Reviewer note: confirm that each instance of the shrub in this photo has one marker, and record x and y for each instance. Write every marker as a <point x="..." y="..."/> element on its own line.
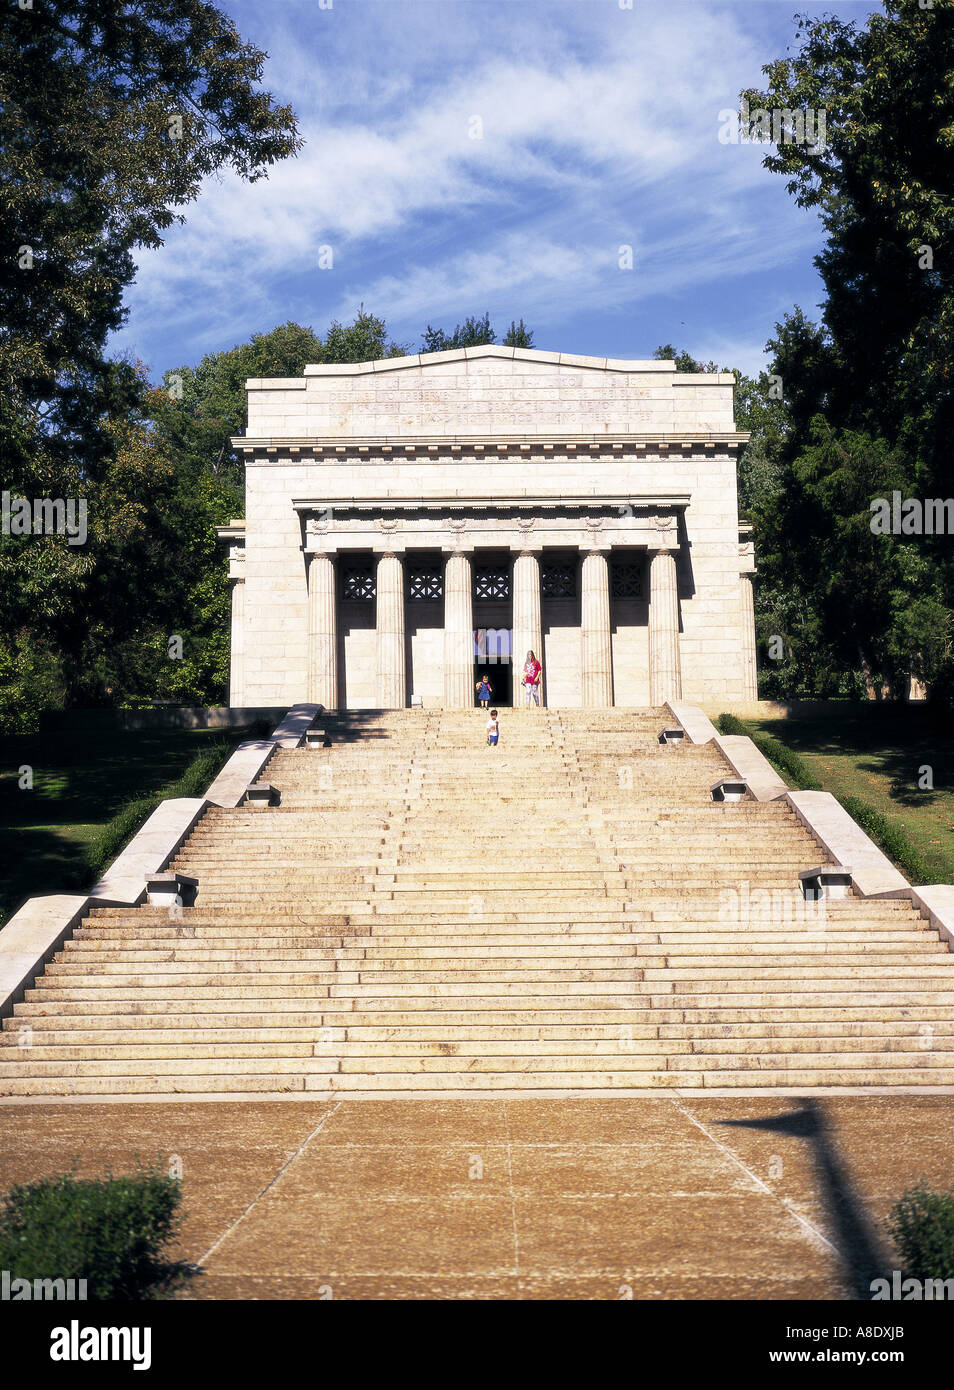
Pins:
<point x="109" y="840"/>
<point x="782" y="758"/>
<point x="922" y="1224"/>
<point x="888" y="837"/>
<point x="110" y="1231"/>
<point x="787" y="761"/>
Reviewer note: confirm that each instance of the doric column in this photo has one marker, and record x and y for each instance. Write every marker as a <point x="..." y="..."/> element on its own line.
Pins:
<point x="527" y="619"/>
<point x="237" y="664"/>
<point x="665" y="670"/>
<point x="234" y="537"/>
<point x="322" y="632"/>
<point x="595" y="624"/>
<point x="391" y="671"/>
<point x="458" y="632"/>
<point x="750" y="679"/>
<point x="750" y="676"/>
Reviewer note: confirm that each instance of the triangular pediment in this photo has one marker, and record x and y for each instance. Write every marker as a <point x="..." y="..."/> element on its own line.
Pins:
<point x="493" y="359"/>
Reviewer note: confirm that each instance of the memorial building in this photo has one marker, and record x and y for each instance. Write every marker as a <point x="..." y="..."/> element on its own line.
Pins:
<point x="416" y="521"/>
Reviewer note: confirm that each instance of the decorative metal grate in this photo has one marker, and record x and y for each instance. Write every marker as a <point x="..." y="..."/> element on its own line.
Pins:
<point x="626" y="579"/>
<point x="558" y="580"/>
<point x="492" y="581"/>
<point x="425" y="579"/>
<point x="357" y="581"/>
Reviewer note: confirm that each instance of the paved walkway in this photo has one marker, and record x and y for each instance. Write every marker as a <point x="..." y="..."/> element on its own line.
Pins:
<point x="764" y="1198"/>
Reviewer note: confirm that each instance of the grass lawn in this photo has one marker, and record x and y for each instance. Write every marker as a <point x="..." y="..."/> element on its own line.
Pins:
<point x="875" y="752"/>
<point x="80" y="781"/>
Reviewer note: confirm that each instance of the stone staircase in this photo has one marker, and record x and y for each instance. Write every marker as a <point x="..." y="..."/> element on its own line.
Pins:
<point x="422" y="915"/>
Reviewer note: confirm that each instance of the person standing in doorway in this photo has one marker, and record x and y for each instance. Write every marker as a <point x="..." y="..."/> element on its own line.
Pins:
<point x="484" y="690"/>
<point x="532" y="679"/>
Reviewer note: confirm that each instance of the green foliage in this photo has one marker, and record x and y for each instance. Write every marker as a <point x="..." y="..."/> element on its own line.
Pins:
<point x="518" y="335"/>
<point x="365" y="340"/>
<point x="112" y="1232"/>
<point x="888" y="837"/>
<point x="685" y="362"/>
<point x="111" y="838"/>
<point x="114" y="114"/>
<point x="868" y="401"/>
<point x="473" y="332"/>
<point x="201" y="408"/>
<point x="30" y="681"/>
<point x="922" y="1224"/>
<point x="783" y="759"/>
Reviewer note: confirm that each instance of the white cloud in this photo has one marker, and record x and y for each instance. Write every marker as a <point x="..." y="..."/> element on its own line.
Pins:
<point x="592" y="136"/>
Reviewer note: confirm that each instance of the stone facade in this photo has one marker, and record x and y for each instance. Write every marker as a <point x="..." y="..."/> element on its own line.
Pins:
<point x="400" y="511"/>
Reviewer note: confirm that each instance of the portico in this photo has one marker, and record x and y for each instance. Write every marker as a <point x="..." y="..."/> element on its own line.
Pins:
<point x="385" y="554"/>
<point x="511" y="558"/>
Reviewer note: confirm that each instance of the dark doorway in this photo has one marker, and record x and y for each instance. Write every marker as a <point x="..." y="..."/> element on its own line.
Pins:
<point x="500" y="674"/>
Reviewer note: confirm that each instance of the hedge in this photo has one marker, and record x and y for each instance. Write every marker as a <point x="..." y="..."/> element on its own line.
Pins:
<point x="112" y="837"/>
<point x="110" y="1231"/>
<point x="888" y="837"/>
<point x="922" y="1224"/>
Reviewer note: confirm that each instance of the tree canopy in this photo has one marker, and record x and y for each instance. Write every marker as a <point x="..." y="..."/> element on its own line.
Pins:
<point x="868" y="405"/>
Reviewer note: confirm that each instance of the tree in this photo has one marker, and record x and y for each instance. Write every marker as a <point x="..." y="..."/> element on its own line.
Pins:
<point x="203" y="407"/>
<point x="365" y="340"/>
<point x="114" y="113"/>
<point x="473" y="332"/>
<point x="869" y="406"/>
<point x="883" y="183"/>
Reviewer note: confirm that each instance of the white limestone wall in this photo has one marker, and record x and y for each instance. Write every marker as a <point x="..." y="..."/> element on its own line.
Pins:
<point x="276" y="595"/>
<point x="483" y="393"/>
<point x="424" y="631"/>
<point x="488" y="390"/>
<point x="357" y="655"/>
<point x="562" y="654"/>
<point x="629" y="620"/>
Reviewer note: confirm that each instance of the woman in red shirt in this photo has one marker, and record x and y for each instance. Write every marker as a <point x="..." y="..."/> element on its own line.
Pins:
<point x="532" y="673"/>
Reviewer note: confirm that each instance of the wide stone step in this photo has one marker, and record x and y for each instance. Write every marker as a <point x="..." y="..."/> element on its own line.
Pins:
<point x="927" y="1067"/>
<point x="890" y="1034"/>
<point x="331" y="966"/>
<point x="626" y="1013"/>
<point x="425" y="1084"/>
<point x="464" y="945"/>
<point x="356" y="1040"/>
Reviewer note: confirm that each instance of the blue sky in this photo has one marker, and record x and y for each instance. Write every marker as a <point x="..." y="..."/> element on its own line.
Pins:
<point x="596" y="127"/>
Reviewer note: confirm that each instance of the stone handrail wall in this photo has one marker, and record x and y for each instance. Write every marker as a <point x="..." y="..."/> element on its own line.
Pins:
<point x="38" y="930"/>
<point x="872" y="873"/>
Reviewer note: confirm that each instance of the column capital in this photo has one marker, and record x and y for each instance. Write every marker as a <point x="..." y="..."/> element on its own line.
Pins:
<point x="664" y="534"/>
